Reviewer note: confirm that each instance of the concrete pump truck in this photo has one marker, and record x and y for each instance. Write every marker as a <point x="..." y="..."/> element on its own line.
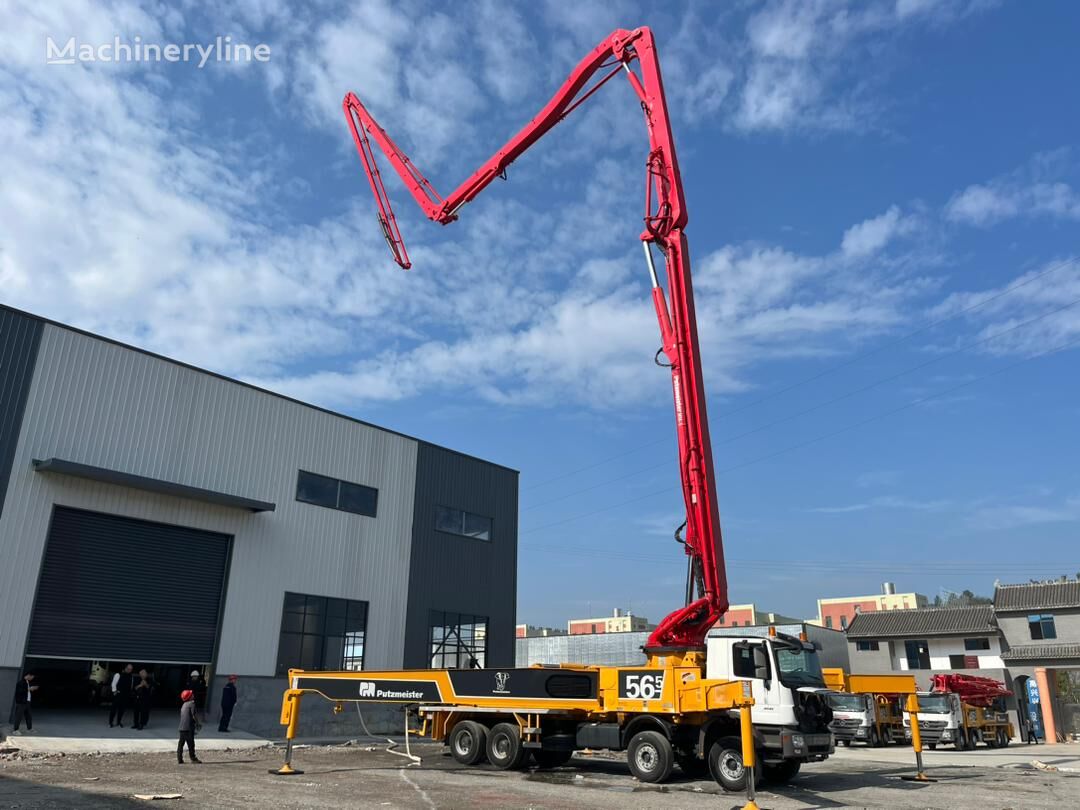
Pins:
<point x="674" y="710"/>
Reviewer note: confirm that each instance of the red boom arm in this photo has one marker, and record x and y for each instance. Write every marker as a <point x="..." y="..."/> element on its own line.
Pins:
<point x="665" y="220"/>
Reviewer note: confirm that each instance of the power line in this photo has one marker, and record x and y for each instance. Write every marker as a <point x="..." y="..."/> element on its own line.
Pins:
<point x="853" y="392"/>
<point x="823" y="373"/>
<point x="910" y="404"/>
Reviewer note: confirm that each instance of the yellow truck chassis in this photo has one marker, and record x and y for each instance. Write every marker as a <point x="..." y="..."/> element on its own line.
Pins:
<point x="664" y="714"/>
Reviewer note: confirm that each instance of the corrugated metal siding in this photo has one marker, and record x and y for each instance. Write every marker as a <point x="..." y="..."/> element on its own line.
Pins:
<point x="461" y="574"/>
<point x="99" y="403"/>
<point x="19" y="338"/>
<point x="117" y="589"/>
<point x="603" y="649"/>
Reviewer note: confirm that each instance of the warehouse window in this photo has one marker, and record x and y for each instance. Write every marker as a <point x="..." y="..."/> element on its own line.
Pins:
<point x="971" y="644"/>
<point x="918" y="654"/>
<point x="828" y="622"/>
<point x="458" y="640"/>
<point x="866" y="646"/>
<point x="458" y="521"/>
<point x="843" y="622"/>
<point x="321" y="633"/>
<point x="335" y="494"/>
<point x="1042" y="626"/>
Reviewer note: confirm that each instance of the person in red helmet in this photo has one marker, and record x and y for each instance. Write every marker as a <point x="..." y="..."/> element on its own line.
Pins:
<point x="189" y="724"/>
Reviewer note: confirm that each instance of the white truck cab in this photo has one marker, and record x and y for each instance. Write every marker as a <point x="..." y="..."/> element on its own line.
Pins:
<point x="853" y="716"/>
<point x="790" y="716"/>
<point x="940" y="718"/>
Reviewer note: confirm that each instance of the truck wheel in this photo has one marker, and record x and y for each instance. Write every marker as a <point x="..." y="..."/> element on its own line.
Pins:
<point x="846" y="743"/>
<point x="467" y="742"/>
<point x="1005" y="738"/>
<point x="887" y="738"/>
<point x="551" y="759"/>
<point x="504" y="748"/>
<point x="874" y="740"/>
<point x="782" y="772"/>
<point x="931" y="746"/>
<point x="650" y="757"/>
<point x="961" y="743"/>
<point x="726" y="765"/>
<point x="692" y="765"/>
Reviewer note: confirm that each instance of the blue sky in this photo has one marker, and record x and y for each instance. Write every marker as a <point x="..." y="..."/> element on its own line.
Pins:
<point x="884" y="203"/>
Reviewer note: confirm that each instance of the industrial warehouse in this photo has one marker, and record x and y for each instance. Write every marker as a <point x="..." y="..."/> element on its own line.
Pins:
<point x="156" y="514"/>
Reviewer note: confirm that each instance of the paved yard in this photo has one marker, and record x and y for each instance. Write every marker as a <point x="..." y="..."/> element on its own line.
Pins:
<point x="364" y="776"/>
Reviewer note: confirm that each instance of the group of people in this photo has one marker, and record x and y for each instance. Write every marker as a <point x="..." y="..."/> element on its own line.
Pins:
<point x="131" y="690"/>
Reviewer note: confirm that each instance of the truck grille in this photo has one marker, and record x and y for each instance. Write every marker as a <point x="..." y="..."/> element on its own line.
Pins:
<point x="845" y="722"/>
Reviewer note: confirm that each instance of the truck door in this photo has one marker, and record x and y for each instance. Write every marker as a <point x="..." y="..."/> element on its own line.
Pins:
<point x="751" y="661"/>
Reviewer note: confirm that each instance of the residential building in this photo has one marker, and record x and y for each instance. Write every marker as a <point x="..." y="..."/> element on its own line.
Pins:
<point x="1041" y="625"/>
<point x="155" y="513"/>
<point x="617" y="622"/>
<point x="529" y="631"/>
<point x="748" y="616"/>
<point x="836" y="613"/>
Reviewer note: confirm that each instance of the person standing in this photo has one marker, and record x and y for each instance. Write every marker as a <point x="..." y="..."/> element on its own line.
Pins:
<point x="144" y="690"/>
<point x="228" y="702"/>
<point x="21" y="711"/>
<point x="123" y="684"/>
<point x="189" y="724"/>
<point x="197" y="686"/>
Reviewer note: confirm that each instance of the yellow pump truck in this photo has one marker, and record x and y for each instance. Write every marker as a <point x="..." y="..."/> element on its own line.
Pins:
<point x="673" y="710"/>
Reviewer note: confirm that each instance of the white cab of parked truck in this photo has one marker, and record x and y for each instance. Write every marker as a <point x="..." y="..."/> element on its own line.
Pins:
<point x="940" y="718"/>
<point x="853" y="716"/>
<point x="791" y="718"/>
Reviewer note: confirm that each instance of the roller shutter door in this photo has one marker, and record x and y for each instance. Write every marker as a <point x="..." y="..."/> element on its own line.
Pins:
<point x="118" y="589"/>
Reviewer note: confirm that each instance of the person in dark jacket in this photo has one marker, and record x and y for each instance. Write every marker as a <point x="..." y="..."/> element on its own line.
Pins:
<point x="189" y="724"/>
<point x="144" y="691"/>
<point x="123" y="688"/>
<point x="198" y="688"/>
<point x="21" y="711"/>
<point x="228" y="702"/>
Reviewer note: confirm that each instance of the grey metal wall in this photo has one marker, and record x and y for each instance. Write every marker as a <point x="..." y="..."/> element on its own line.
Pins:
<point x="1014" y="626"/>
<point x="462" y="574"/>
<point x="19" y="338"/>
<point x="98" y="403"/>
<point x="606" y="649"/>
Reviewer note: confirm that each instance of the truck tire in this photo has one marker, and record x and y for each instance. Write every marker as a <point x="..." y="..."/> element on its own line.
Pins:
<point x="650" y="756"/>
<point x="468" y="742"/>
<point x="846" y="743"/>
<point x="551" y="759"/>
<point x="692" y="765"/>
<point x="504" y="748"/>
<point x="931" y="746"/>
<point x="961" y="743"/>
<point x="726" y="765"/>
<point x="874" y="740"/>
<point x="782" y="772"/>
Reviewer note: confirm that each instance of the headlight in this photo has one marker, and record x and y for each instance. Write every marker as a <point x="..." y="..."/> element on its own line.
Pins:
<point x="946" y="735"/>
<point x="797" y="740"/>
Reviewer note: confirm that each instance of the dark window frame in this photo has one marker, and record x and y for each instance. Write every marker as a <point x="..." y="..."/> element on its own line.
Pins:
<point x="1041" y="626"/>
<point x="976" y="644"/>
<point x="464" y="514"/>
<point x="453" y="639"/>
<point x="340" y="488"/>
<point x="867" y="646"/>
<point x="919" y="656"/>
<point x="325" y="633"/>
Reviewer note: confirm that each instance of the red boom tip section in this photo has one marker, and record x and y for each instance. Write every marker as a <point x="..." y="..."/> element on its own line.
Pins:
<point x="387" y="221"/>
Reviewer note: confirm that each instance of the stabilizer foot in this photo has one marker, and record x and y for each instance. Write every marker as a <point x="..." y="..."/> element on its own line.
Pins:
<point x="286" y="770"/>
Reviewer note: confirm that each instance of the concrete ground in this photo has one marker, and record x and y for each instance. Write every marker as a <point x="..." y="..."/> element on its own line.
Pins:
<point x="369" y="777"/>
<point x="87" y="732"/>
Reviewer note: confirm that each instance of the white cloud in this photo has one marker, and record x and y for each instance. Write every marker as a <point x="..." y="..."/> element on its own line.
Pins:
<point x="886" y="502"/>
<point x="872" y="235"/>
<point x="1012" y="516"/>
<point x="1033" y="190"/>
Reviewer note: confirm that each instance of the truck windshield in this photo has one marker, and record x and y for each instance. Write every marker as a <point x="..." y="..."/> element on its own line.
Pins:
<point x="799" y="667"/>
<point x="846" y="703"/>
<point x="934" y="704"/>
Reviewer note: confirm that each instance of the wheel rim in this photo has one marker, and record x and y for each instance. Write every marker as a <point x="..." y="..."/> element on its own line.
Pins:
<point x="646" y="758"/>
<point x="464" y="743"/>
<point x="501" y="747"/>
<point x="731" y="765"/>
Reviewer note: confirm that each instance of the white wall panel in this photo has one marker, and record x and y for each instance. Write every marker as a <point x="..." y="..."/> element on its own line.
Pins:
<point x="101" y="404"/>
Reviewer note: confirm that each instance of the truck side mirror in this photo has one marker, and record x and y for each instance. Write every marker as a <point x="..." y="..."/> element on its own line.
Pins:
<point x="762" y="669"/>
